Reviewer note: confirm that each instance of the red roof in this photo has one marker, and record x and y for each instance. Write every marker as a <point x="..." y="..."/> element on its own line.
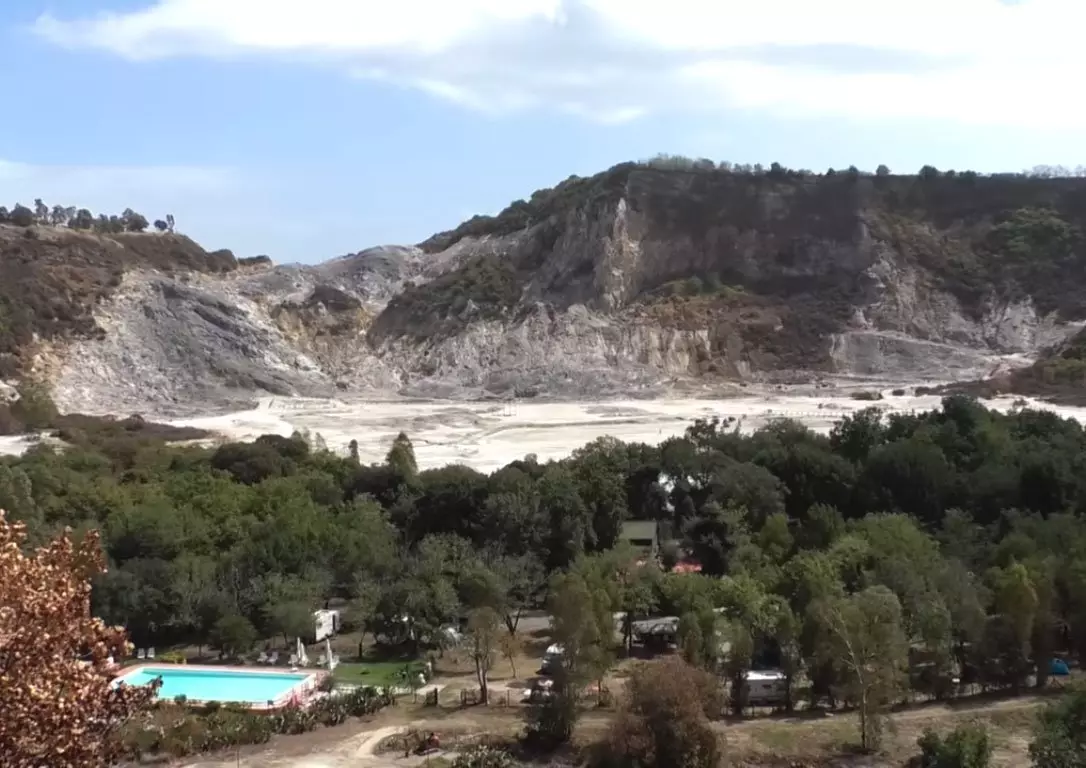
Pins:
<point x="687" y="566"/>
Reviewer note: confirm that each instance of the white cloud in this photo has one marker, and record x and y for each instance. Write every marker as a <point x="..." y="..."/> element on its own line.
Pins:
<point x="985" y="62"/>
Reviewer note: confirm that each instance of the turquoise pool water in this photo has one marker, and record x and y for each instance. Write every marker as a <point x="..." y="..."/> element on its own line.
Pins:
<point x="215" y="685"/>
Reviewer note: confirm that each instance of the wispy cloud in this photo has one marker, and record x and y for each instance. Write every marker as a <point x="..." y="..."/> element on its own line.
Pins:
<point x="985" y="62"/>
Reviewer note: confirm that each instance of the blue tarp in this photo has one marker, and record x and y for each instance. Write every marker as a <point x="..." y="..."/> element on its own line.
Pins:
<point x="1058" y="667"/>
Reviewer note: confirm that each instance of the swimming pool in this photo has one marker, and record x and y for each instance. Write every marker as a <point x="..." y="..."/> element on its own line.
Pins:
<point x="226" y="685"/>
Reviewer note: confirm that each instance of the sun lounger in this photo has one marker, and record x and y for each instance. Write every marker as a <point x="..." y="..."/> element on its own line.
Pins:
<point x="273" y="659"/>
<point x="293" y="660"/>
<point x="262" y="658"/>
<point x="321" y="660"/>
<point x="150" y="653"/>
<point x="141" y="654"/>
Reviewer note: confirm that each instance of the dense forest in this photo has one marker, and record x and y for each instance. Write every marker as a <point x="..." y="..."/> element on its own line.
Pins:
<point x="962" y="527"/>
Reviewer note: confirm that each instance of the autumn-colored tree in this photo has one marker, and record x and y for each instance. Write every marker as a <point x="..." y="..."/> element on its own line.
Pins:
<point x="57" y="706"/>
<point x="665" y="720"/>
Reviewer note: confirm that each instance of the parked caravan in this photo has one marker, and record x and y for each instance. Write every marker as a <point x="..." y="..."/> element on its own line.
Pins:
<point x="326" y="623"/>
<point x="766" y="688"/>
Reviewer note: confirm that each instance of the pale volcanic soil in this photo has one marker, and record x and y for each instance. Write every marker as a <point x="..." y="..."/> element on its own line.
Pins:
<point x="489" y="435"/>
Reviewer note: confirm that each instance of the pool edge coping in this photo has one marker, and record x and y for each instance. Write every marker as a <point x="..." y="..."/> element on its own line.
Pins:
<point x="298" y="693"/>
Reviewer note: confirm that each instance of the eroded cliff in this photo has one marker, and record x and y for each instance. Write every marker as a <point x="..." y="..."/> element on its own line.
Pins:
<point x="631" y="281"/>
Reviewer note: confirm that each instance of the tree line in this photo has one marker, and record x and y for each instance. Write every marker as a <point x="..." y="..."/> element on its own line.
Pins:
<point x="895" y="554"/>
<point x="668" y="162"/>
<point x="81" y="219"/>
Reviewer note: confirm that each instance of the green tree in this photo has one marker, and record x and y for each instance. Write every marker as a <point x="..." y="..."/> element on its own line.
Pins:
<point x="233" y="635"/>
<point x="21" y="216"/>
<point x="83" y="219"/>
<point x="692" y="642"/>
<point x="750" y="487"/>
<point x="967" y="746"/>
<point x="713" y="535"/>
<point x="365" y="593"/>
<point x="1059" y="738"/>
<point x="855" y="436"/>
<point x="35" y="407"/>
<point x="522" y="581"/>
<point x="582" y="623"/>
<point x="600" y="468"/>
<point x="583" y="627"/>
<point x="1016" y="603"/>
<point x="484" y="645"/>
<point x="401" y="457"/>
<point x="567" y="520"/>
<point x="482" y="756"/>
<point x="864" y="639"/>
<point x="17" y="498"/>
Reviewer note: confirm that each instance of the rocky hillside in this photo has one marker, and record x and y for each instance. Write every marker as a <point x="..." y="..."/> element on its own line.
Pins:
<point x="696" y="270"/>
<point x="629" y="281"/>
<point x="1058" y="375"/>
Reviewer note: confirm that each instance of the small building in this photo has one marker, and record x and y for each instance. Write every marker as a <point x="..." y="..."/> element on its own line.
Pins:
<point x="642" y="535"/>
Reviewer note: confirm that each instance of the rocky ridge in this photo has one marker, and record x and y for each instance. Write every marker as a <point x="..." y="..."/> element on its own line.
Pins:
<point x="632" y="282"/>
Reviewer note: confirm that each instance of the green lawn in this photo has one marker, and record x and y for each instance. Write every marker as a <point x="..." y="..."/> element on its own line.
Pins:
<point x="379" y="673"/>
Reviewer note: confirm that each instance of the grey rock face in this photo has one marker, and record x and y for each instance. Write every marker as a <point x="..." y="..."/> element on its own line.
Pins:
<point x="210" y="342"/>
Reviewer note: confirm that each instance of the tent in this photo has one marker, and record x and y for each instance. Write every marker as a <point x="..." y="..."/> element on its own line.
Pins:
<point x="1058" y="668"/>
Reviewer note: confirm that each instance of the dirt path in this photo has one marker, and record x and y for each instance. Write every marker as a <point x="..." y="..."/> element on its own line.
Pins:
<point x="800" y="736"/>
<point x="334" y="750"/>
<point x="829" y="736"/>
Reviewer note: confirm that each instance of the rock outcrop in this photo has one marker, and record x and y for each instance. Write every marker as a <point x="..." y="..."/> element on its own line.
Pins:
<point x="626" y="283"/>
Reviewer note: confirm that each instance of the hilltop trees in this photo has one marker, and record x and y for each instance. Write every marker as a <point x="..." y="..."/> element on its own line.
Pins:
<point x="57" y="706"/>
<point x="80" y="219"/>
<point x="20" y="216"/>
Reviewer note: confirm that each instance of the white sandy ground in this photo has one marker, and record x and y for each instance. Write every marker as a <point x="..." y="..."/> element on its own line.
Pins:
<point x="487" y="436"/>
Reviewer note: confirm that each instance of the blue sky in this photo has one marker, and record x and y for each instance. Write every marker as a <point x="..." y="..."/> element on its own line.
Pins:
<point x="359" y="122"/>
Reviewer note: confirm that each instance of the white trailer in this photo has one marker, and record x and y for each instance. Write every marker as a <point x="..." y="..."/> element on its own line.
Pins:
<point x="766" y="687"/>
<point x="325" y="624"/>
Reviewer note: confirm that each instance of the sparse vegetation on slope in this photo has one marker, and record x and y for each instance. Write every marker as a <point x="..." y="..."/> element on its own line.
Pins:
<point x="51" y="279"/>
<point x="1059" y="376"/>
<point x="647" y="273"/>
<point x="791" y="242"/>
